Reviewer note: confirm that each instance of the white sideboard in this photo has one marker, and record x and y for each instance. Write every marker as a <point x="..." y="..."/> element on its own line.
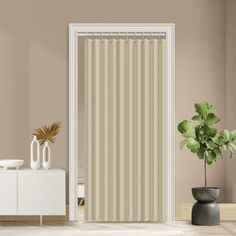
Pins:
<point x="32" y="192"/>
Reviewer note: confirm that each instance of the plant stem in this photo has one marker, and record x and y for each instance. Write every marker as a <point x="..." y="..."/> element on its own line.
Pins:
<point x="205" y="162"/>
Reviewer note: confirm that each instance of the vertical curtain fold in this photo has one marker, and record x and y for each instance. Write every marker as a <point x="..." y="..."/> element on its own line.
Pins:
<point x="124" y="95"/>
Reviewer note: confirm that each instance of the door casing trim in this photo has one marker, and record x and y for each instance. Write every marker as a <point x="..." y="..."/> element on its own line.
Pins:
<point x="169" y="179"/>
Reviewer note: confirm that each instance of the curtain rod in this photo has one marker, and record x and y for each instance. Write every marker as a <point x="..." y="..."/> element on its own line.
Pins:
<point x="110" y="34"/>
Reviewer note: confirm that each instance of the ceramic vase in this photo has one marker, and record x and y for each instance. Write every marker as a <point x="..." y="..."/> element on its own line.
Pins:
<point x="205" y="211"/>
<point x="35" y="154"/>
<point x="46" y="156"/>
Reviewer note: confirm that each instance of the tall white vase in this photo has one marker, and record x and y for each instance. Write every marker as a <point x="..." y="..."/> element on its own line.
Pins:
<point x="35" y="160"/>
<point x="46" y="156"/>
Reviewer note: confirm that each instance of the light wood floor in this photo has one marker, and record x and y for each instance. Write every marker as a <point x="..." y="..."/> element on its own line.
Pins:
<point x="178" y="228"/>
<point x="184" y="228"/>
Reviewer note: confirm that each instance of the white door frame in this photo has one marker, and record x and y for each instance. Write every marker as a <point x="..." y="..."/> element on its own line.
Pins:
<point x="74" y="31"/>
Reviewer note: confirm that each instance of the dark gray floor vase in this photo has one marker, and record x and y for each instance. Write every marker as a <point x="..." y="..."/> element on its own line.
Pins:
<point x="205" y="211"/>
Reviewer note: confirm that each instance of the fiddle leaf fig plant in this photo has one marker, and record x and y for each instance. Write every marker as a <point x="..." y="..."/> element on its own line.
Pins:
<point x="202" y="139"/>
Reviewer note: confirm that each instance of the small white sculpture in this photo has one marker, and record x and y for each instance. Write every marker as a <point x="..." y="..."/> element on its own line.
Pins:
<point x="35" y="164"/>
<point x="46" y="156"/>
<point x="45" y="134"/>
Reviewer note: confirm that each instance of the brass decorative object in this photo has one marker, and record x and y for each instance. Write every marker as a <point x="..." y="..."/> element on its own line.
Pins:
<point x="47" y="133"/>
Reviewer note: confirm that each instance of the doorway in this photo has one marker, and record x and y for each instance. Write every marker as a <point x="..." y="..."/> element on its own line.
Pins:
<point x="166" y="180"/>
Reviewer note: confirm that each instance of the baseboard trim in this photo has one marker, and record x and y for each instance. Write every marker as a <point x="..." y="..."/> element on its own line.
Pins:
<point x="46" y="218"/>
<point x="227" y="211"/>
<point x="33" y="218"/>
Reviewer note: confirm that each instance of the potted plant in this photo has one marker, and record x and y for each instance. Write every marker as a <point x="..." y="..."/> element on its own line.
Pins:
<point x="209" y="145"/>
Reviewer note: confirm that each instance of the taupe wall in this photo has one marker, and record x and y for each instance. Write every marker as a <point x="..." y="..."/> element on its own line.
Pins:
<point x="34" y="68"/>
<point x="230" y="91"/>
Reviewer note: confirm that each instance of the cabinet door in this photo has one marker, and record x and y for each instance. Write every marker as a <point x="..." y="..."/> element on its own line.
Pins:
<point x="41" y="193"/>
<point x="8" y="193"/>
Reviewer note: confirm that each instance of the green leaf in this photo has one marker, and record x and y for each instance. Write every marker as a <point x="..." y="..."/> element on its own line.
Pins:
<point x="209" y="132"/>
<point x="197" y="118"/>
<point x="200" y="133"/>
<point x="201" y="153"/>
<point x="222" y="140"/>
<point x="218" y="152"/>
<point x="201" y="108"/>
<point x="232" y="145"/>
<point x="211" y="144"/>
<point x="184" y="126"/>
<point x="183" y="143"/>
<point x="233" y="135"/>
<point x="193" y="145"/>
<point x="209" y="162"/>
<point x="211" y="119"/>
<point x="189" y="133"/>
<point x="225" y="134"/>
<point x="211" y="157"/>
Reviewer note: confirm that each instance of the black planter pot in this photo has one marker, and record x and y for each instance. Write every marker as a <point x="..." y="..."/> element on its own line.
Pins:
<point x="205" y="211"/>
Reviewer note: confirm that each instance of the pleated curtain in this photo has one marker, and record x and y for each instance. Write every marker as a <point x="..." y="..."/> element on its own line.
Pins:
<point x="124" y="129"/>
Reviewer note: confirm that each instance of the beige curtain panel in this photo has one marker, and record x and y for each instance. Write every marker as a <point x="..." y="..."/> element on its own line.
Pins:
<point x="124" y="130"/>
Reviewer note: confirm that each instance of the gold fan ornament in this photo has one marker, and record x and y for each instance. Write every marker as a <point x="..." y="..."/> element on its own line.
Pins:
<point x="47" y="133"/>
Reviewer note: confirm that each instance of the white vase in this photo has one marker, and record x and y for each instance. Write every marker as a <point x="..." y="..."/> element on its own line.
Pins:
<point x="46" y="156"/>
<point x="35" y="161"/>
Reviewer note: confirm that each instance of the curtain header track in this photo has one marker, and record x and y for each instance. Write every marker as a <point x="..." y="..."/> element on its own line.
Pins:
<point x="121" y="34"/>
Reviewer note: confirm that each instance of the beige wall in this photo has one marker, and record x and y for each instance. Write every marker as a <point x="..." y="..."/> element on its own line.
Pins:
<point x="199" y="77"/>
<point x="34" y="68"/>
<point x="230" y="91"/>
